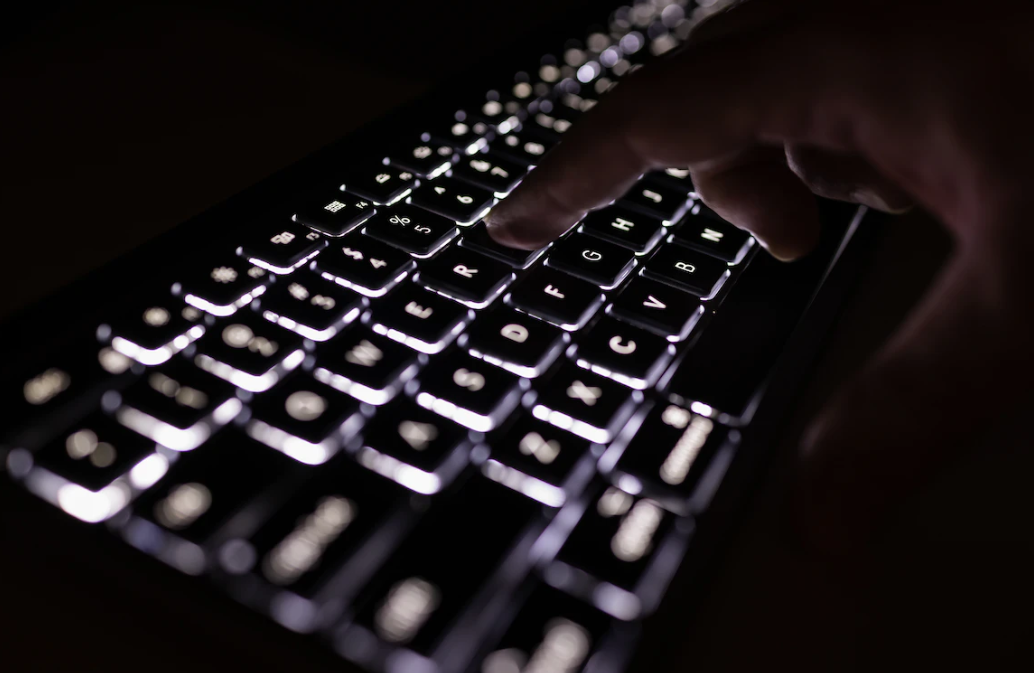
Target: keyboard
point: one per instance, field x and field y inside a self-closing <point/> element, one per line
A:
<point x="337" y="401"/>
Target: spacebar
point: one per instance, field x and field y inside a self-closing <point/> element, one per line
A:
<point x="740" y="345"/>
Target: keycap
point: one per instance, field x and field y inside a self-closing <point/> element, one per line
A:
<point x="678" y="178"/>
<point x="178" y="405"/>
<point x="383" y="185"/>
<point x="657" y="199"/>
<point x="310" y="305"/>
<point x="627" y="354"/>
<point x="488" y="171"/>
<point x="424" y="590"/>
<point x="468" y="391"/>
<point x="616" y="542"/>
<point x="554" y="296"/>
<point x="412" y="229"/>
<point x="426" y="158"/>
<point x="200" y="495"/>
<point x="369" y="367"/>
<point x="550" y="627"/>
<point x="587" y="404"/>
<point x="282" y="248"/>
<point x="625" y="227"/>
<point x="466" y="275"/>
<point x="94" y="453"/>
<point x="459" y="201"/>
<point x="551" y="125"/>
<point x="419" y="318"/>
<point x="668" y="455"/>
<point x="249" y="352"/>
<point x="477" y="238"/>
<point x="414" y="447"/>
<point x="687" y="270"/>
<point x="658" y="308"/>
<point x="714" y="238"/>
<point x="521" y="148"/>
<point x="311" y="536"/>
<point x="504" y="114"/>
<point x="596" y="261"/>
<point x="152" y="332"/>
<point x="515" y="341"/>
<point x="304" y="409"/>
<point x="368" y="266"/>
<point x="335" y="214"/>
<point x="467" y="136"/>
<point x="222" y="288"/>
<point x="539" y="460"/>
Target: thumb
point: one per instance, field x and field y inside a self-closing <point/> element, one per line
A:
<point x="960" y="359"/>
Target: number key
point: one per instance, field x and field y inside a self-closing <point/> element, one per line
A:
<point x="368" y="266"/>
<point x="453" y="199"/>
<point x="381" y="184"/>
<point x="490" y="172"/>
<point x="310" y="305"/>
<point x="427" y="158"/>
<point x="412" y="229"/>
<point x="222" y="288"/>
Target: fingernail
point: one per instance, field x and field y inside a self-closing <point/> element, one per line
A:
<point x="867" y="197"/>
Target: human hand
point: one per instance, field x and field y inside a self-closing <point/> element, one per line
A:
<point x="884" y="104"/>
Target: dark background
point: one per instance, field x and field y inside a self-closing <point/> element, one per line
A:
<point x="120" y="121"/>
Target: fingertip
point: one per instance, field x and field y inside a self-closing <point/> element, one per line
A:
<point x="510" y="234"/>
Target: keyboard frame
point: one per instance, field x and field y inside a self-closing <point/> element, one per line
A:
<point x="114" y="572"/>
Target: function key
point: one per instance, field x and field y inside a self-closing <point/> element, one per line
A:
<point x="364" y="264"/>
<point x="687" y="270"/>
<point x="369" y="367"/>
<point x="658" y="200"/>
<point x="466" y="275"/>
<point x="477" y="238"/>
<point x="428" y="158"/>
<point x="178" y="405"/>
<point x="599" y="262"/>
<point x="249" y="352"/>
<point x="419" y="318"/>
<point x="516" y="342"/>
<point x="94" y="453"/>
<point x="383" y="185"/>
<point x="490" y="172"/>
<point x="587" y="404"/>
<point x="628" y="228"/>
<point x="711" y="237"/>
<point x="337" y="214"/>
<point x="310" y="305"/>
<point x="153" y="332"/>
<point x="454" y="199"/>
<point x="522" y="148"/>
<point x="412" y="229"/>
<point x="469" y="391"/>
<point x="561" y="299"/>
<point x="658" y="308"/>
<point x="624" y="353"/>
<point x="282" y="249"/>
<point x="223" y="288"/>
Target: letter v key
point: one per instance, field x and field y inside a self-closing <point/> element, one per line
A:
<point x="653" y="302"/>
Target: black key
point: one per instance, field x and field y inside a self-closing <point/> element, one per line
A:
<point x="454" y="199"/>
<point x="551" y="626"/>
<point x="599" y="262"/>
<point x="718" y="239"/>
<point x="202" y="493"/>
<point x="222" y="288"/>
<point x="551" y="124"/>
<point x="557" y="297"/>
<point x="477" y="237"/>
<point x="557" y="462"/>
<point x="668" y="455"/>
<point x="617" y="541"/>
<point x="469" y="391"/>
<point x="628" y="228"/>
<point x="624" y="353"/>
<point x="249" y="352"/>
<point x="701" y="209"/>
<point x="381" y="184"/>
<point x="503" y="114"/>
<point x="323" y="526"/>
<point x="153" y="332"/>
<point x="659" y="200"/>
<point x="335" y="214"/>
<point x="404" y="437"/>
<point x="427" y="158"/>
<point x="678" y="178"/>
<point x="419" y="318"/>
<point x="515" y="342"/>
<point x="417" y="597"/>
<point x="657" y="307"/>
<point x="522" y="148"/>
<point x="368" y="266"/>
<point x="587" y="404"/>
<point x="466" y="275"/>
<point x="174" y="405"/>
<point x="94" y="453"/>
<point x="310" y="305"/>
<point x="468" y="136"/>
<point x="369" y="367"/>
<point x="687" y="270"/>
<point x="412" y="229"/>
<point x="490" y="172"/>
<point x="282" y="248"/>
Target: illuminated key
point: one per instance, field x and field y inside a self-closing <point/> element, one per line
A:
<point x="249" y="352"/>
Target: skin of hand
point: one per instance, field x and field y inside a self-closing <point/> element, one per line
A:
<point x="885" y="104"/>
